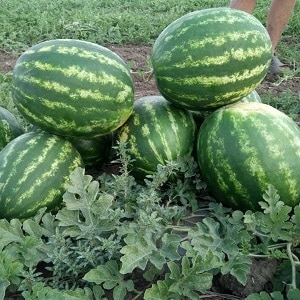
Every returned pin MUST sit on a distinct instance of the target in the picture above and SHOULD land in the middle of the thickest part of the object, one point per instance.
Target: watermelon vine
(114, 231)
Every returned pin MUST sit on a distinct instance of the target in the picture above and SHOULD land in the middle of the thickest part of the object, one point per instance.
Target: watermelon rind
(34, 168)
(94, 151)
(156, 132)
(9, 127)
(73, 88)
(244, 147)
(211, 57)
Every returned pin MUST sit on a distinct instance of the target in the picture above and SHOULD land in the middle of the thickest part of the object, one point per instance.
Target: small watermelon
(94, 151)
(252, 97)
(157, 132)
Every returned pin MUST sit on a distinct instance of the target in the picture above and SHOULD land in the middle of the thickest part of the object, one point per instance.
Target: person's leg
(244, 5)
(278, 17)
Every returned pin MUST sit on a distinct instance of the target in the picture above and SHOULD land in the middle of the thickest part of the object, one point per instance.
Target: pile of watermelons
(77, 95)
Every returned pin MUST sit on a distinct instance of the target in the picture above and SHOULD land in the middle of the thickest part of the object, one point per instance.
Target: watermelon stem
(294, 262)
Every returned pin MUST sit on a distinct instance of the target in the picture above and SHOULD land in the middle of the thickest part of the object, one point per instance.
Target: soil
(138, 57)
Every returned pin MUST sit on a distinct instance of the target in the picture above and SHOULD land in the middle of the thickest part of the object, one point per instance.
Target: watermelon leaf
(139, 250)
(274, 222)
(111, 278)
(10, 232)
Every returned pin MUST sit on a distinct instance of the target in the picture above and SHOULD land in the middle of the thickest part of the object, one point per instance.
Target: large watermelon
(157, 132)
(73, 88)
(243, 147)
(9, 127)
(210, 58)
(34, 168)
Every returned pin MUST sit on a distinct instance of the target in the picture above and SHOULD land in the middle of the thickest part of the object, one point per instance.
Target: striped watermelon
(34, 168)
(252, 97)
(157, 132)
(9, 127)
(200, 115)
(73, 88)
(243, 147)
(210, 58)
(93, 151)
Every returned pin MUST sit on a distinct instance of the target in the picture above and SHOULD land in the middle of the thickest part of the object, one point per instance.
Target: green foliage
(291, 295)
(25, 24)
(117, 237)
(5, 99)
(285, 102)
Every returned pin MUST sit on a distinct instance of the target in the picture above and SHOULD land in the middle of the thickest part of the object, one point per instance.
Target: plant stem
(293, 263)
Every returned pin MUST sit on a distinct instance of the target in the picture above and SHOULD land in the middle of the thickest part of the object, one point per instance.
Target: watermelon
(252, 97)
(34, 168)
(9, 127)
(210, 58)
(200, 115)
(156, 132)
(93, 151)
(73, 88)
(244, 147)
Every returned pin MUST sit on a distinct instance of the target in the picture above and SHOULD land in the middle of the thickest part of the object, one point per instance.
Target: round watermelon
(252, 97)
(156, 132)
(200, 115)
(210, 58)
(34, 168)
(244, 147)
(73, 88)
(9, 127)
(93, 151)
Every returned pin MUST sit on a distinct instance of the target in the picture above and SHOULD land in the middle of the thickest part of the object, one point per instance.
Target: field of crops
(116, 236)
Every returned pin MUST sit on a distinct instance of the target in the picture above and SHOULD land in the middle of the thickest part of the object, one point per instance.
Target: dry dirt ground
(138, 59)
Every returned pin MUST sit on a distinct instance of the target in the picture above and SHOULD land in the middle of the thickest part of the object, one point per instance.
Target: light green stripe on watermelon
(210, 58)
(34, 168)
(246, 146)
(73, 88)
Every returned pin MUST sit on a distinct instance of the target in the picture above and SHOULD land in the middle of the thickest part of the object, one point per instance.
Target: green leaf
(140, 249)
(239, 266)
(3, 285)
(265, 296)
(135, 254)
(170, 244)
(81, 193)
(107, 274)
(119, 292)
(10, 232)
(11, 268)
(193, 278)
(260, 296)
(293, 294)
(160, 290)
(68, 218)
(175, 270)
(42, 292)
